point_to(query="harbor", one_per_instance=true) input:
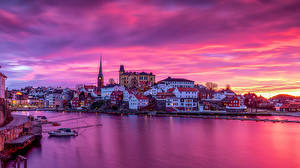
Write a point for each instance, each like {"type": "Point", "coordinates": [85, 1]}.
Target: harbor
{"type": "Point", "coordinates": [17, 136]}
{"type": "Point", "coordinates": [120, 138]}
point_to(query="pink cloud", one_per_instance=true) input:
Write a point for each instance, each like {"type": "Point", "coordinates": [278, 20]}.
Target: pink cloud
{"type": "Point", "coordinates": [243, 43]}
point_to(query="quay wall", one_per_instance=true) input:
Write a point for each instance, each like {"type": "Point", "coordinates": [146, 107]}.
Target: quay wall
{"type": "Point", "coordinates": [5, 115]}
{"type": "Point", "coordinates": [19, 126]}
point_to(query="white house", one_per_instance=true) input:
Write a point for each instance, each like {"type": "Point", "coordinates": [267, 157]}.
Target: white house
{"type": "Point", "coordinates": [174, 104]}
{"type": "Point", "coordinates": [185, 92]}
{"type": "Point", "coordinates": [223, 93]}
{"type": "Point", "coordinates": [108, 89]}
{"type": "Point", "coordinates": [185, 99]}
{"type": "Point", "coordinates": [126, 95]}
{"type": "Point", "coordinates": [136, 102]}
{"type": "Point", "coordinates": [54, 100]}
{"type": "Point", "coordinates": [2, 85]}
{"type": "Point", "coordinates": [178, 82]}
{"type": "Point", "coordinates": [159, 88]}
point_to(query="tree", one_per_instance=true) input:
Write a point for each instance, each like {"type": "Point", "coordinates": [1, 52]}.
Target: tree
{"type": "Point", "coordinates": [228, 87]}
{"type": "Point", "coordinates": [212, 87]}
{"type": "Point", "coordinates": [111, 81]}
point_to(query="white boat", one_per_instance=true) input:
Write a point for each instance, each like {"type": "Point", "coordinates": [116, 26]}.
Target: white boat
{"type": "Point", "coordinates": [63, 132]}
{"type": "Point", "coordinates": [42, 119]}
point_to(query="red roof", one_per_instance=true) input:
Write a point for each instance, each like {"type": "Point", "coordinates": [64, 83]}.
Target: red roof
{"type": "Point", "coordinates": [171, 90]}
{"type": "Point", "coordinates": [1, 74]}
{"type": "Point", "coordinates": [291, 105]}
{"type": "Point", "coordinates": [141, 97]}
{"type": "Point", "coordinates": [187, 89]}
{"type": "Point", "coordinates": [165, 94]}
{"type": "Point", "coordinates": [117, 92]}
{"type": "Point", "coordinates": [75, 99]}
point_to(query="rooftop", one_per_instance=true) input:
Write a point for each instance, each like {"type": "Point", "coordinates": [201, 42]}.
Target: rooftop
{"type": "Point", "coordinates": [110, 85]}
{"type": "Point", "coordinates": [180, 89]}
{"type": "Point", "coordinates": [1, 74]}
{"type": "Point", "coordinates": [141, 97]}
{"type": "Point", "coordinates": [169, 79]}
{"type": "Point", "coordinates": [137, 73]}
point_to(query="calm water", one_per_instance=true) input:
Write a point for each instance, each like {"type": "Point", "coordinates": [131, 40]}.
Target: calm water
{"type": "Point", "coordinates": [143, 142]}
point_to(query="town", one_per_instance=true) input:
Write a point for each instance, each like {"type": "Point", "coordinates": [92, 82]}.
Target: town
{"type": "Point", "coordinates": [139, 91]}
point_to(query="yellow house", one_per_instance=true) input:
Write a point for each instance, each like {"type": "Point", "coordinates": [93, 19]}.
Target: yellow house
{"type": "Point", "coordinates": [135, 79]}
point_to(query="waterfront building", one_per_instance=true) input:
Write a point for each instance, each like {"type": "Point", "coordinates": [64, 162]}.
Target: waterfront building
{"type": "Point", "coordinates": [174, 104]}
{"type": "Point", "coordinates": [17, 98]}
{"type": "Point", "coordinates": [178, 82]}
{"type": "Point", "coordinates": [137, 102]}
{"type": "Point", "coordinates": [2, 85]}
{"type": "Point", "coordinates": [135, 79]}
{"type": "Point", "coordinates": [126, 94]}
{"type": "Point", "coordinates": [100, 79]}
{"type": "Point", "coordinates": [75, 102]}
{"type": "Point", "coordinates": [181, 92]}
{"type": "Point", "coordinates": [153, 91]}
{"type": "Point", "coordinates": [290, 107]}
{"type": "Point", "coordinates": [108, 89]}
{"type": "Point", "coordinates": [161, 100]}
{"type": "Point", "coordinates": [158, 88]}
{"type": "Point", "coordinates": [90, 89]}
{"type": "Point", "coordinates": [53, 100]}
{"type": "Point", "coordinates": [185, 99]}
{"type": "Point", "coordinates": [233, 104]}
{"type": "Point", "coordinates": [5, 114]}
{"type": "Point", "coordinates": [34, 102]}
{"type": "Point", "coordinates": [116, 97]}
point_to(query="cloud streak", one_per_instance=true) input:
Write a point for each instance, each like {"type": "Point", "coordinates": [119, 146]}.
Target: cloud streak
{"type": "Point", "coordinates": [245, 43]}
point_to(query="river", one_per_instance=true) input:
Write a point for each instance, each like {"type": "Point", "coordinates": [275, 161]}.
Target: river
{"type": "Point", "coordinates": [166, 142]}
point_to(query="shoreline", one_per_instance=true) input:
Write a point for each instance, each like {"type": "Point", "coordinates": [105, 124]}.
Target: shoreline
{"type": "Point", "coordinates": [159, 113]}
{"type": "Point", "coordinates": [200, 115]}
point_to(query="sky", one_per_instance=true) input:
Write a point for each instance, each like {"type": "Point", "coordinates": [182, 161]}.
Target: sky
{"type": "Point", "coordinates": [253, 45]}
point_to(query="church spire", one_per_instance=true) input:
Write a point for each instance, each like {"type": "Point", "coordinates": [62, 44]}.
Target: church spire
{"type": "Point", "coordinates": [100, 80]}
{"type": "Point", "coordinates": [100, 68]}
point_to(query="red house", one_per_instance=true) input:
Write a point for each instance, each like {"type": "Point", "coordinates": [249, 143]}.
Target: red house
{"type": "Point", "coordinates": [233, 104]}
{"type": "Point", "coordinates": [290, 107]}
{"type": "Point", "coordinates": [75, 102]}
{"type": "Point", "coordinates": [116, 97]}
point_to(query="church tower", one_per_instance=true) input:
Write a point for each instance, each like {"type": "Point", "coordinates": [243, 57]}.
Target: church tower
{"type": "Point", "coordinates": [100, 79]}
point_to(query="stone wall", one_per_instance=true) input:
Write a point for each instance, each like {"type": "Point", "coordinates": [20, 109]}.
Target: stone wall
{"type": "Point", "coordinates": [19, 126]}
{"type": "Point", "coordinates": [5, 115]}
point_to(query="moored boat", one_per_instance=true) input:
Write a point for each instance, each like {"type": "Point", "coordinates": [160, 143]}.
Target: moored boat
{"type": "Point", "coordinates": [42, 119]}
{"type": "Point", "coordinates": [63, 132]}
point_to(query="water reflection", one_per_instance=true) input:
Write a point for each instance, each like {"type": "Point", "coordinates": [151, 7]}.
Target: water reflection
{"type": "Point", "coordinates": [138, 141]}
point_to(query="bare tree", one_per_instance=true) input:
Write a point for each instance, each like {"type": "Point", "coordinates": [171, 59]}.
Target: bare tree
{"type": "Point", "coordinates": [111, 81]}
{"type": "Point", "coordinates": [212, 87]}
{"type": "Point", "coordinates": [228, 87]}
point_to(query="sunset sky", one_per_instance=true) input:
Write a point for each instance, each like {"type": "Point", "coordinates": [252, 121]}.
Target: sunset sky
{"type": "Point", "coordinates": [253, 45]}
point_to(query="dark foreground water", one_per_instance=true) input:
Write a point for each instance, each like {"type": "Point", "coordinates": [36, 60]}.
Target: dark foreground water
{"type": "Point", "coordinates": [143, 142]}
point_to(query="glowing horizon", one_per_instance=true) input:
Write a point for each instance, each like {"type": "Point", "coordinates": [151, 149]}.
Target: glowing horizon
{"type": "Point", "coordinates": [253, 45]}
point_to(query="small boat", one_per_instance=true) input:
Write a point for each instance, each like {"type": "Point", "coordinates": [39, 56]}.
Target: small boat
{"type": "Point", "coordinates": [42, 119]}
{"type": "Point", "coordinates": [63, 132]}
{"type": "Point", "coordinates": [56, 124]}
